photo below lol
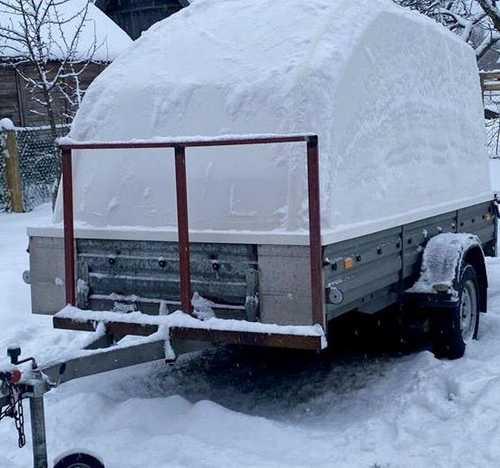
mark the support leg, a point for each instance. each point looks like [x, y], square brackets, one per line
[39, 441]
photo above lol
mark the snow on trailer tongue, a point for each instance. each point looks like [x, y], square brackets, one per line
[382, 87]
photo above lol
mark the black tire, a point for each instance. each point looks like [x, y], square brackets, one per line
[450, 328]
[79, 460]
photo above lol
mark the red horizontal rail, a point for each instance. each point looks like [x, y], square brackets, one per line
[187, 143]
[182, 204]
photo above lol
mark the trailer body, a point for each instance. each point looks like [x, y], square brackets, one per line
[366, 274]
[152, 212]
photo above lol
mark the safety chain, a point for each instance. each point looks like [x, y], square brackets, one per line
[14, 410]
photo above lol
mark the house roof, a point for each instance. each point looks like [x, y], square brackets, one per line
[137, 16]
[109, 38]
[103, 4]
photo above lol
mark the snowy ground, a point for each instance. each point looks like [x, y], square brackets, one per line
[228, 408]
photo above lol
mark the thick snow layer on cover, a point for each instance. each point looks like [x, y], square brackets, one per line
[495, 174]
[394, 98]
[98, 29]
[230, 408]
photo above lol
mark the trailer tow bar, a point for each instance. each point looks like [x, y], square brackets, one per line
[33, 383]
[13, 390]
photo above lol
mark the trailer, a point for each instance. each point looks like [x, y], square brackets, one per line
[276, 174]
[264, 295]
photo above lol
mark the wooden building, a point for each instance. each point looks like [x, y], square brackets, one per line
[17, 101]
[100, 41]
[135, 16]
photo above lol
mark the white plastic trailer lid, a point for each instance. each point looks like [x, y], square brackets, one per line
[394, 97]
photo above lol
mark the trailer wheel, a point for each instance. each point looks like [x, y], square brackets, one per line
[453, 328]
[79, 460]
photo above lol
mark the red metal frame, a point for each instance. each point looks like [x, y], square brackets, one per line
[316, 260]
[69, 230]
[183, 227]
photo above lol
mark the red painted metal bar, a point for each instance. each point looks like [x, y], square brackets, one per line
[187, 143]
[69, 233]
[316, 249]
[183, 228]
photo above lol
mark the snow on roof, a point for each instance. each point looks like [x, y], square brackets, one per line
[109, 38]
[393, 96]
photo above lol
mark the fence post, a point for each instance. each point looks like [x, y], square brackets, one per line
[13, 174]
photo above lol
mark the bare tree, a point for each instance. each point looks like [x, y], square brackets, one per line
[476, 21]
[42, 41]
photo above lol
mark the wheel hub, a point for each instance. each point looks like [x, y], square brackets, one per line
[468, 311]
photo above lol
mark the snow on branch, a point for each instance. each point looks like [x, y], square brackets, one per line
[475, 21]
[492, 10]
[41, 40]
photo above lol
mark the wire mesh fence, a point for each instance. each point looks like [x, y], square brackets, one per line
[38, 165]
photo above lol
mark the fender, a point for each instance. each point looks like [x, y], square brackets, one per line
[442, 262]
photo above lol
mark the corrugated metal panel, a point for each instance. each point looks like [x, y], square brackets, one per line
[143, 274]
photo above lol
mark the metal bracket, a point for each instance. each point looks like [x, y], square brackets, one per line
[252, 297]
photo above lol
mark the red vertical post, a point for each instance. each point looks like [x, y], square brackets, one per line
[183, 228]
[69, 233]
[316, 254]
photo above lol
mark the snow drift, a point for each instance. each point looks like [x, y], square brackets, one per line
[394, 98]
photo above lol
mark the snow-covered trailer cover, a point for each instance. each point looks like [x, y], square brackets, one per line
[393, 96]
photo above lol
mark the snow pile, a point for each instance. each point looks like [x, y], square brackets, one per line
[249, 408]
[6, 124]
[14, 293]
[443, 254]
[202, 308]
[98, 29]
[495, 174]
[179, 319]
[394, 97]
